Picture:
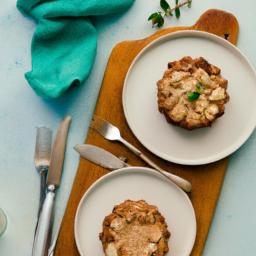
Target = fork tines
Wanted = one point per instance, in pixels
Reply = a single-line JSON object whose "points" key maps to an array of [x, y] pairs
{"points": [[98, 124], [106, 129]]}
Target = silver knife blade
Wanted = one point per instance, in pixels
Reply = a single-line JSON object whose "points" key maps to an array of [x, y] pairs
{"points": [[58, 153], [100, 156]]}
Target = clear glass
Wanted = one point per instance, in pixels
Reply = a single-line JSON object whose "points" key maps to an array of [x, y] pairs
{"points": [[3, 222]]}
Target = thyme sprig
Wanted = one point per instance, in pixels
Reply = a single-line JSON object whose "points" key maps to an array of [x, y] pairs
{"points": [[158, 18]]}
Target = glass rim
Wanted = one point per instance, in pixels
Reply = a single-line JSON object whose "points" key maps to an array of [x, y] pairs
{"points": [[4, 218]]}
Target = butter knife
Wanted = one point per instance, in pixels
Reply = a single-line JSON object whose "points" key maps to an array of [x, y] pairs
{"points": [[43, 231], [100, 156]]}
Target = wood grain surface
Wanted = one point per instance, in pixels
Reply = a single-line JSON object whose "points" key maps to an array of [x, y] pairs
{"points": [[206, 180]]}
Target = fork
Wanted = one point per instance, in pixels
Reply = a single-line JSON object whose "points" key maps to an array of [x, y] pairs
{"points": [[112, 133], [42, 161], [42, 158]]}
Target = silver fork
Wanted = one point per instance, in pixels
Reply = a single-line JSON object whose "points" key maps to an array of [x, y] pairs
{"points": [[111, 132], [42, 162], [42, 158]]}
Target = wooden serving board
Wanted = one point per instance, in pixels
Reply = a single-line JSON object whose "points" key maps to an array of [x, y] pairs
{"points": [[206, 180]]}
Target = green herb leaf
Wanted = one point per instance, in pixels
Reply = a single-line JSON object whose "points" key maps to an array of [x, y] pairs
{"points": [[164, 5], [192, 96], [153, 16], [199, 88], [189, 3], [156, 19], [177, 13], [160, 21], [177, 9]]}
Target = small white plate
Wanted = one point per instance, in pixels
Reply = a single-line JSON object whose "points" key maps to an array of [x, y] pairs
{"points": [[134, 183], [173, 143]]}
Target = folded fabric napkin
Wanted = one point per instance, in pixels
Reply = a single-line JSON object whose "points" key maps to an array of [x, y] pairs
{"points": [[65, 41]]}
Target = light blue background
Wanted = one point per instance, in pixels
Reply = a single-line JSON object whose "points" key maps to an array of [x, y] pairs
{"points": [[234, 225]]}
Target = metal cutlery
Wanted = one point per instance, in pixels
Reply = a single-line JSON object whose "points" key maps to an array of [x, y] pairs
{"points": [[111, 162], [112, 133], [100, 156], [42, 158], [43, 231]]}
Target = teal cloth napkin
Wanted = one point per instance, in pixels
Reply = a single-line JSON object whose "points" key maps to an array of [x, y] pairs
{"points": [[65, 41]]}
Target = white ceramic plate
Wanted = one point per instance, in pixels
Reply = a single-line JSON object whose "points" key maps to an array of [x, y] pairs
{"points": [[134, 183], [175, 144]]}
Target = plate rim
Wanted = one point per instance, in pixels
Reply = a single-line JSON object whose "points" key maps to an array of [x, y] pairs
{"points": [[200, 161], [128, 170]]}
